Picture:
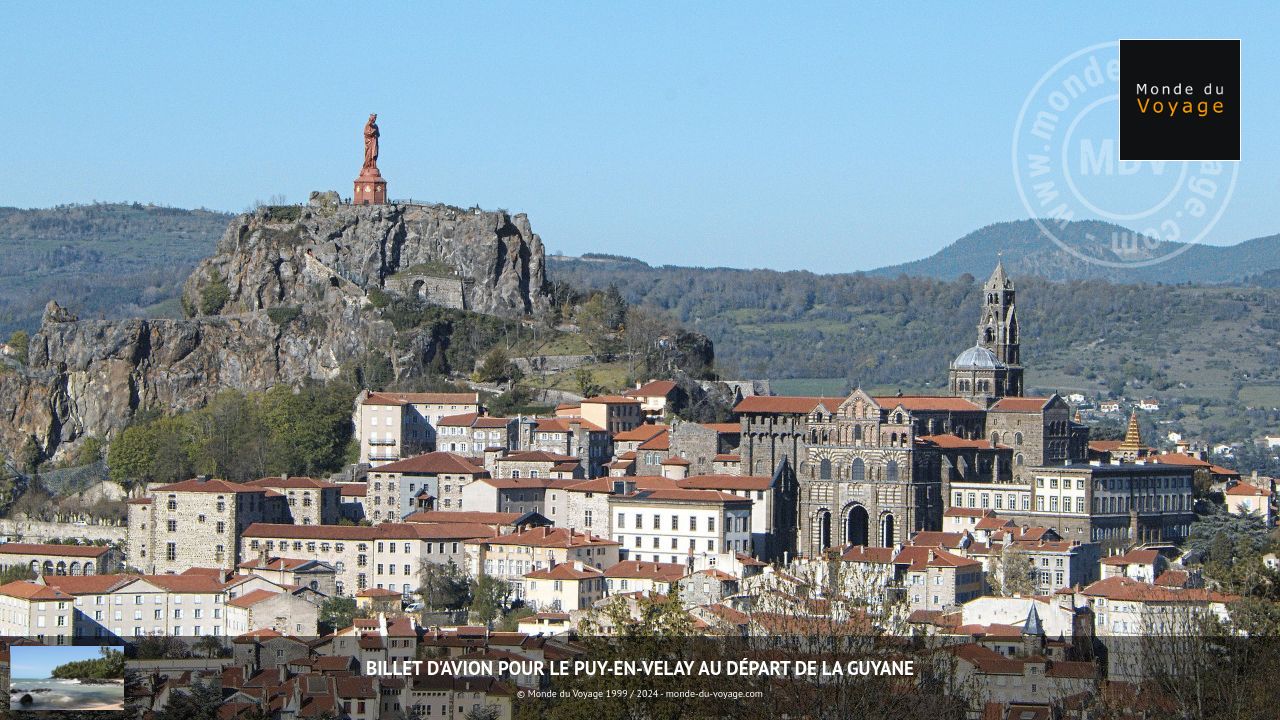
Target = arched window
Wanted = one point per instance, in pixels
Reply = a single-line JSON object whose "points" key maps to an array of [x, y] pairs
{"points": [[1017, 459], [1017, 438], [857, 432], [824, 469], [858, 470], [75, 568], [891, 471]]}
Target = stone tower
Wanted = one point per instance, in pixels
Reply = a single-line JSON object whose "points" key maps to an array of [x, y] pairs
{"points": [[992, 368]]}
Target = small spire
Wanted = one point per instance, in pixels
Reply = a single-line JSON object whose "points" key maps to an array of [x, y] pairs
{"points": [[1033, 626], [1132, 435], [998, 277]]}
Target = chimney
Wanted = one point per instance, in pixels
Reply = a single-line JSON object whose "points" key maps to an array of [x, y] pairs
{"points": [[284, 476]]}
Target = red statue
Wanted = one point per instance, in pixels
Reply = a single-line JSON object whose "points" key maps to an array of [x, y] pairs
{"points": [[370, 188], [371, 143]]}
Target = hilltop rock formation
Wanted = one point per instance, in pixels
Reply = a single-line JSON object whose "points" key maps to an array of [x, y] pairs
{"points": [[285, 297]]}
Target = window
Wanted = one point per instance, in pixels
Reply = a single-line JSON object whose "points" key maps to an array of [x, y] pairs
{"points": [[171, 551], [172, 525]]}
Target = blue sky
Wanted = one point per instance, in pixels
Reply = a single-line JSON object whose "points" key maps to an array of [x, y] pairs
{"points": [[38, 661], [830, 137]]}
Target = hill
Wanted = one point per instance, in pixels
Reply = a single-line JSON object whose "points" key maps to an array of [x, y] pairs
{"points": [[108, 260], [1211, 350], [1025, 250]]}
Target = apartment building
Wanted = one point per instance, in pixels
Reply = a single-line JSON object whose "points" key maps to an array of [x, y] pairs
{"points": [[935, 579], [771, 515], [510, 557], [473, 434], [196, 523], [423, 482], [392, 425], [614, 413], [585, 505], [37, 611], [574, 437], [534, 464], [388, 556], [678, 525], [564, 587]]}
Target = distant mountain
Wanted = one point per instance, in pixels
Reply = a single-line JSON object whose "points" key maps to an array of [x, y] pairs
{"points": [[1025, 250], [110, 260]]}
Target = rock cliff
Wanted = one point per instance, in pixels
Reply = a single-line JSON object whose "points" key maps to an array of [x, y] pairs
{"points": [[285, 297]]}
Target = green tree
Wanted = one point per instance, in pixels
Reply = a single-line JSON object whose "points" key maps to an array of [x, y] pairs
{"points": [[90, 451], [1019, 572], [496, 366], [489, 596], [20, 344], [30, 455], [338, 612], [200, 702], [214, 296], [209, 645], [444, 586], [483, 712]]}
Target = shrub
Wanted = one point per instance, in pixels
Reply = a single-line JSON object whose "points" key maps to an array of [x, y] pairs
{"points": [[214, 296], [283, 315]]}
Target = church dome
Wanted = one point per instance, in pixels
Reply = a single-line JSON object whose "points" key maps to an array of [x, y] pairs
{"points": [[977, 357]]}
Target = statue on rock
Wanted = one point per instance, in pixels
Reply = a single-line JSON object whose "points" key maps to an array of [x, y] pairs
{"points": [[370, 188]]}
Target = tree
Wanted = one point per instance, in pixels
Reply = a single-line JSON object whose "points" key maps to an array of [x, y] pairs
{"points": [[90, 451], [20, 344], [1019, 572], [444, 587], [496, 366], [209, 645], [30, 455], [200, 702], [483, 712], [214, 296], [338, 611], [489, 597], [585, 382]]}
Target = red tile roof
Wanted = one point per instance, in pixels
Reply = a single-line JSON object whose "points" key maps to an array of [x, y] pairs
{"points": [[864, 554], [377, 593], [784, 404], [547, 537], [88, 584], [401, 398], [32, 591], [661, 441], [253, 597], [432, 463], [209, 486], [89, 551], [926, 402], [566, 571], [635, 569], [640, 433], [292, 481], [564, 425], [676, 460], [684, 495], [724, 428], [463, 516], [611, 400], [1020, 404], [948, 441], [1241, 489], [1119, 587], [538, 456], [653, 388], [605, 484], [1139, 557], [727, 482]]}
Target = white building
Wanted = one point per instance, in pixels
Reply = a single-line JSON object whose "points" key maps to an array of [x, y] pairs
{"points": [[393, 425], [678, 525]]}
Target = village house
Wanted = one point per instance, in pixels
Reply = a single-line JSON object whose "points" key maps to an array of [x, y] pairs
{"points": [[429, 481], [393, 425], [510, 557], [472, 433], [676, 525], [564, 587], [655, 396], [310, 501], [57, 559]]}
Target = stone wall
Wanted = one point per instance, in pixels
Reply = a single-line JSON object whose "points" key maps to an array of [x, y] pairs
{"points": [[36, 531]]}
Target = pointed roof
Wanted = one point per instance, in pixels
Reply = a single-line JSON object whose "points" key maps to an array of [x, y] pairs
{"points": [[1033, 626], [998, 276], [1132, 436]]}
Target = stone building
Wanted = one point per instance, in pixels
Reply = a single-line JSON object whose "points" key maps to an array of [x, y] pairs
{"points": [[196, 523], [702, 443], [871, 470], [309, 501], [395, 490], [395, 425], [55, 559]]}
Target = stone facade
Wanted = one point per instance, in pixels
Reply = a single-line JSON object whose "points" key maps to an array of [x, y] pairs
{"points": [[872, 470], [196, 523], [309, 501]]}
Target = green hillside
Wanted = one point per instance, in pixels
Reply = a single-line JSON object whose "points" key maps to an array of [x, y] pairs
{"points": [[113, 260]]}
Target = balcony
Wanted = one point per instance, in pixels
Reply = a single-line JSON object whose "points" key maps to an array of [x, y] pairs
{"points": [[383, 441]]}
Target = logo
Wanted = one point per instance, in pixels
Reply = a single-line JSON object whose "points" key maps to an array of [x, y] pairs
{"points": [[1067, 167]]}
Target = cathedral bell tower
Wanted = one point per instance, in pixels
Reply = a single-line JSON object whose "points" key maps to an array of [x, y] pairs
{"points": [[991, 369]]}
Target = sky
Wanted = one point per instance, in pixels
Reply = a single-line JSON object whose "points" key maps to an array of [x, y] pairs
{"points": [[38, 661], [823, 136]]}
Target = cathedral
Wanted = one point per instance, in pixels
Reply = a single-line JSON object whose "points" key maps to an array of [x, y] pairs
{"points": [[872, 470]]}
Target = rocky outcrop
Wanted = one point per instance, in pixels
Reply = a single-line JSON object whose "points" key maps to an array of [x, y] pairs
{"points": [[296, 305]]}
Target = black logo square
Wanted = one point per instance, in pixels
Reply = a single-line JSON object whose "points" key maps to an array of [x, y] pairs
{"points": [[1179, 99]]}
